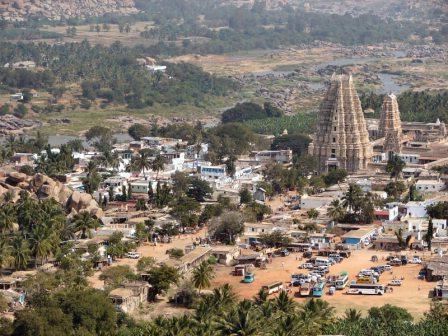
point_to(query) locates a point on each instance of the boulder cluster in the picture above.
(41, 187)
(19, 10)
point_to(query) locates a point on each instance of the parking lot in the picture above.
(412, 295)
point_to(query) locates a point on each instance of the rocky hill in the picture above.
(19, 10)
(40, 187)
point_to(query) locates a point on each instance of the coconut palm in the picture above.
(353, 315)
(240, 321)
(20, 253)
(84, 222)
(284, 303)
(7, 218)
(41, 243)
(158, 164)
(141, 163)
(290, 325)
(202, 275)
(4, 252)
(336, 210)
(351, 200)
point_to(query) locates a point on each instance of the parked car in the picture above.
(249, 278)
(307, 254)
(306, 266)
(395, 262)
(395, 282)
(132, 255)
(387, 267)
(284, 253)
(415, 260)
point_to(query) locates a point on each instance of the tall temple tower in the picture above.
(341, 139)
(390, 125)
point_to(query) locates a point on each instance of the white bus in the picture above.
(341, 281)
(273, 288)
(322, 262)
(366, 289)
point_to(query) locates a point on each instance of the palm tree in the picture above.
(202, 275)
(336, 210)
(20, 252)
(351, 200)
(399, 235)
(158, 164)
(395, 166)
(290, 325)
(141, 163)
(4, 252)
(284, 303)
(84, 222)
(223, 296)
(353, 315)
(41, 243)
(240, 321)
(261, 297)
(7, 218)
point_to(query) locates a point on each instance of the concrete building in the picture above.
(277, 156)
(427, 186)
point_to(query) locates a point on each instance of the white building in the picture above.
(427, 186)
(278, 156)
(316, 201)
(410, 158)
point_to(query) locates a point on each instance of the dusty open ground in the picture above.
(412, 295)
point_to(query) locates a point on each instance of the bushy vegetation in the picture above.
(248, 28)
(424, 106)
(249, 111)
(110, 74)
(298, 123)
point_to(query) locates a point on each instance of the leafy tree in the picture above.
(395, 189)
(274, 239)
(297, 142)
(429, 234)
(199, 189)
(175, 253)
(335, 176)
(20, 111)
(245, 196)
(138, 131)
(145, 263)
(227, 227)
(312, 213)
(116, 275)
(84, 222)
(161, 278)
(395, 166)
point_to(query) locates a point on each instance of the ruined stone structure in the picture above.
(390, 125)
(341, 139)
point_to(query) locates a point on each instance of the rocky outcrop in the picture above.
(41, 186)
(11, 124)
(18, 10)
(341, 139)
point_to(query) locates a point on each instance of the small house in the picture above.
(225, 255)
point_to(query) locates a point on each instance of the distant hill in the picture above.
(19, 10)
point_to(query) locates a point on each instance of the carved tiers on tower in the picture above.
(341, 139)
(390, 125)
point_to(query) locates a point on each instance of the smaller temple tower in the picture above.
(390, 125)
